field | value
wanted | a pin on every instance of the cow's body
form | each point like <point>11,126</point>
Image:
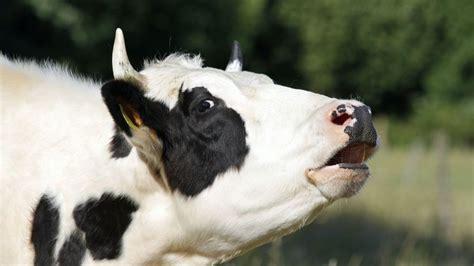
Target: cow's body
<point>51,156</point>
<point>121,205</point>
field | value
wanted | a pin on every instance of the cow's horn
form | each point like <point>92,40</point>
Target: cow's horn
<point>236,59</point>
<point>120,64</point>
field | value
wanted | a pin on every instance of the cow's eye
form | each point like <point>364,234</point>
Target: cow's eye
<point>205,105</point>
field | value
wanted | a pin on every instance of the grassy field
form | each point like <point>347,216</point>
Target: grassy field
<point>394,220</point>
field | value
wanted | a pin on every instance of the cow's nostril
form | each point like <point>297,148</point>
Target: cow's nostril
<point>341,119</point>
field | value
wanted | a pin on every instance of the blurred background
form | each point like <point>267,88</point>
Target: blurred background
<point>412,61</point>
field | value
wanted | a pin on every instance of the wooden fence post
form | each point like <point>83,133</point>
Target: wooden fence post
<point>412,163</point>
<point>440,144</point>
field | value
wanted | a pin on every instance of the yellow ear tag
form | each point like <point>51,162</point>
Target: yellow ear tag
<point>127,119</point>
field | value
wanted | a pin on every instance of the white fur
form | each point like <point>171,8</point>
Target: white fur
<point>54,138</point>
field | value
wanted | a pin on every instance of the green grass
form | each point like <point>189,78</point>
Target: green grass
<point>394,218</point>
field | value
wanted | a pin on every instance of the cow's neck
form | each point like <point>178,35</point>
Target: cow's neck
<point>161,225</point>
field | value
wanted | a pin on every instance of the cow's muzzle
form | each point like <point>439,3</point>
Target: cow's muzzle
<point>355,121</point>
<point>345,172</point>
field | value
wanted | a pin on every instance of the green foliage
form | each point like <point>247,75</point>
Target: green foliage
<point>452,78</point>
<point>85,29</point>
<point>455,65</point>
<point>378,50</point>
<point>403,57</point>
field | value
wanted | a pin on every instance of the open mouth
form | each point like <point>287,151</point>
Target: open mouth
<point>352,156</point>
<point>344,173</point>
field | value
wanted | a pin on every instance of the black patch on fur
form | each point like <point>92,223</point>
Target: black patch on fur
<point>119,147</point>
<point>198,143</point>
<point>44,231</point>
<point>202,145</point>
<point>103,222</point>
<point>73,250</point>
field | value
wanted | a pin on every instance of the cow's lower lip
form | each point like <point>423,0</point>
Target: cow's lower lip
<point>338,181</point>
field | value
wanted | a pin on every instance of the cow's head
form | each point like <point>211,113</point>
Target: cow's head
<point>243,159</point>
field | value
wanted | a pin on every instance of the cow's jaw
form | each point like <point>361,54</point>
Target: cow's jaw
<point>244,217</point>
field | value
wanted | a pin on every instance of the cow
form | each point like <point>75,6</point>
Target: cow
<point>176,164</point>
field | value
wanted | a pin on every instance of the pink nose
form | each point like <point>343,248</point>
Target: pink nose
<point>357,123</point>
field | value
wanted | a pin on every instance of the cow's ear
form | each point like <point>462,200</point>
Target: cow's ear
<point>131,110</point>
<point>143,120</point>
<point>123,99</point>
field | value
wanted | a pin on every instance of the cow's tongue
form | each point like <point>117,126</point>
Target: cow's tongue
<point>353,154</point>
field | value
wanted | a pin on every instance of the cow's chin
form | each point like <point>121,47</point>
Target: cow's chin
<point>344,174</point>
<point>337,182</point>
